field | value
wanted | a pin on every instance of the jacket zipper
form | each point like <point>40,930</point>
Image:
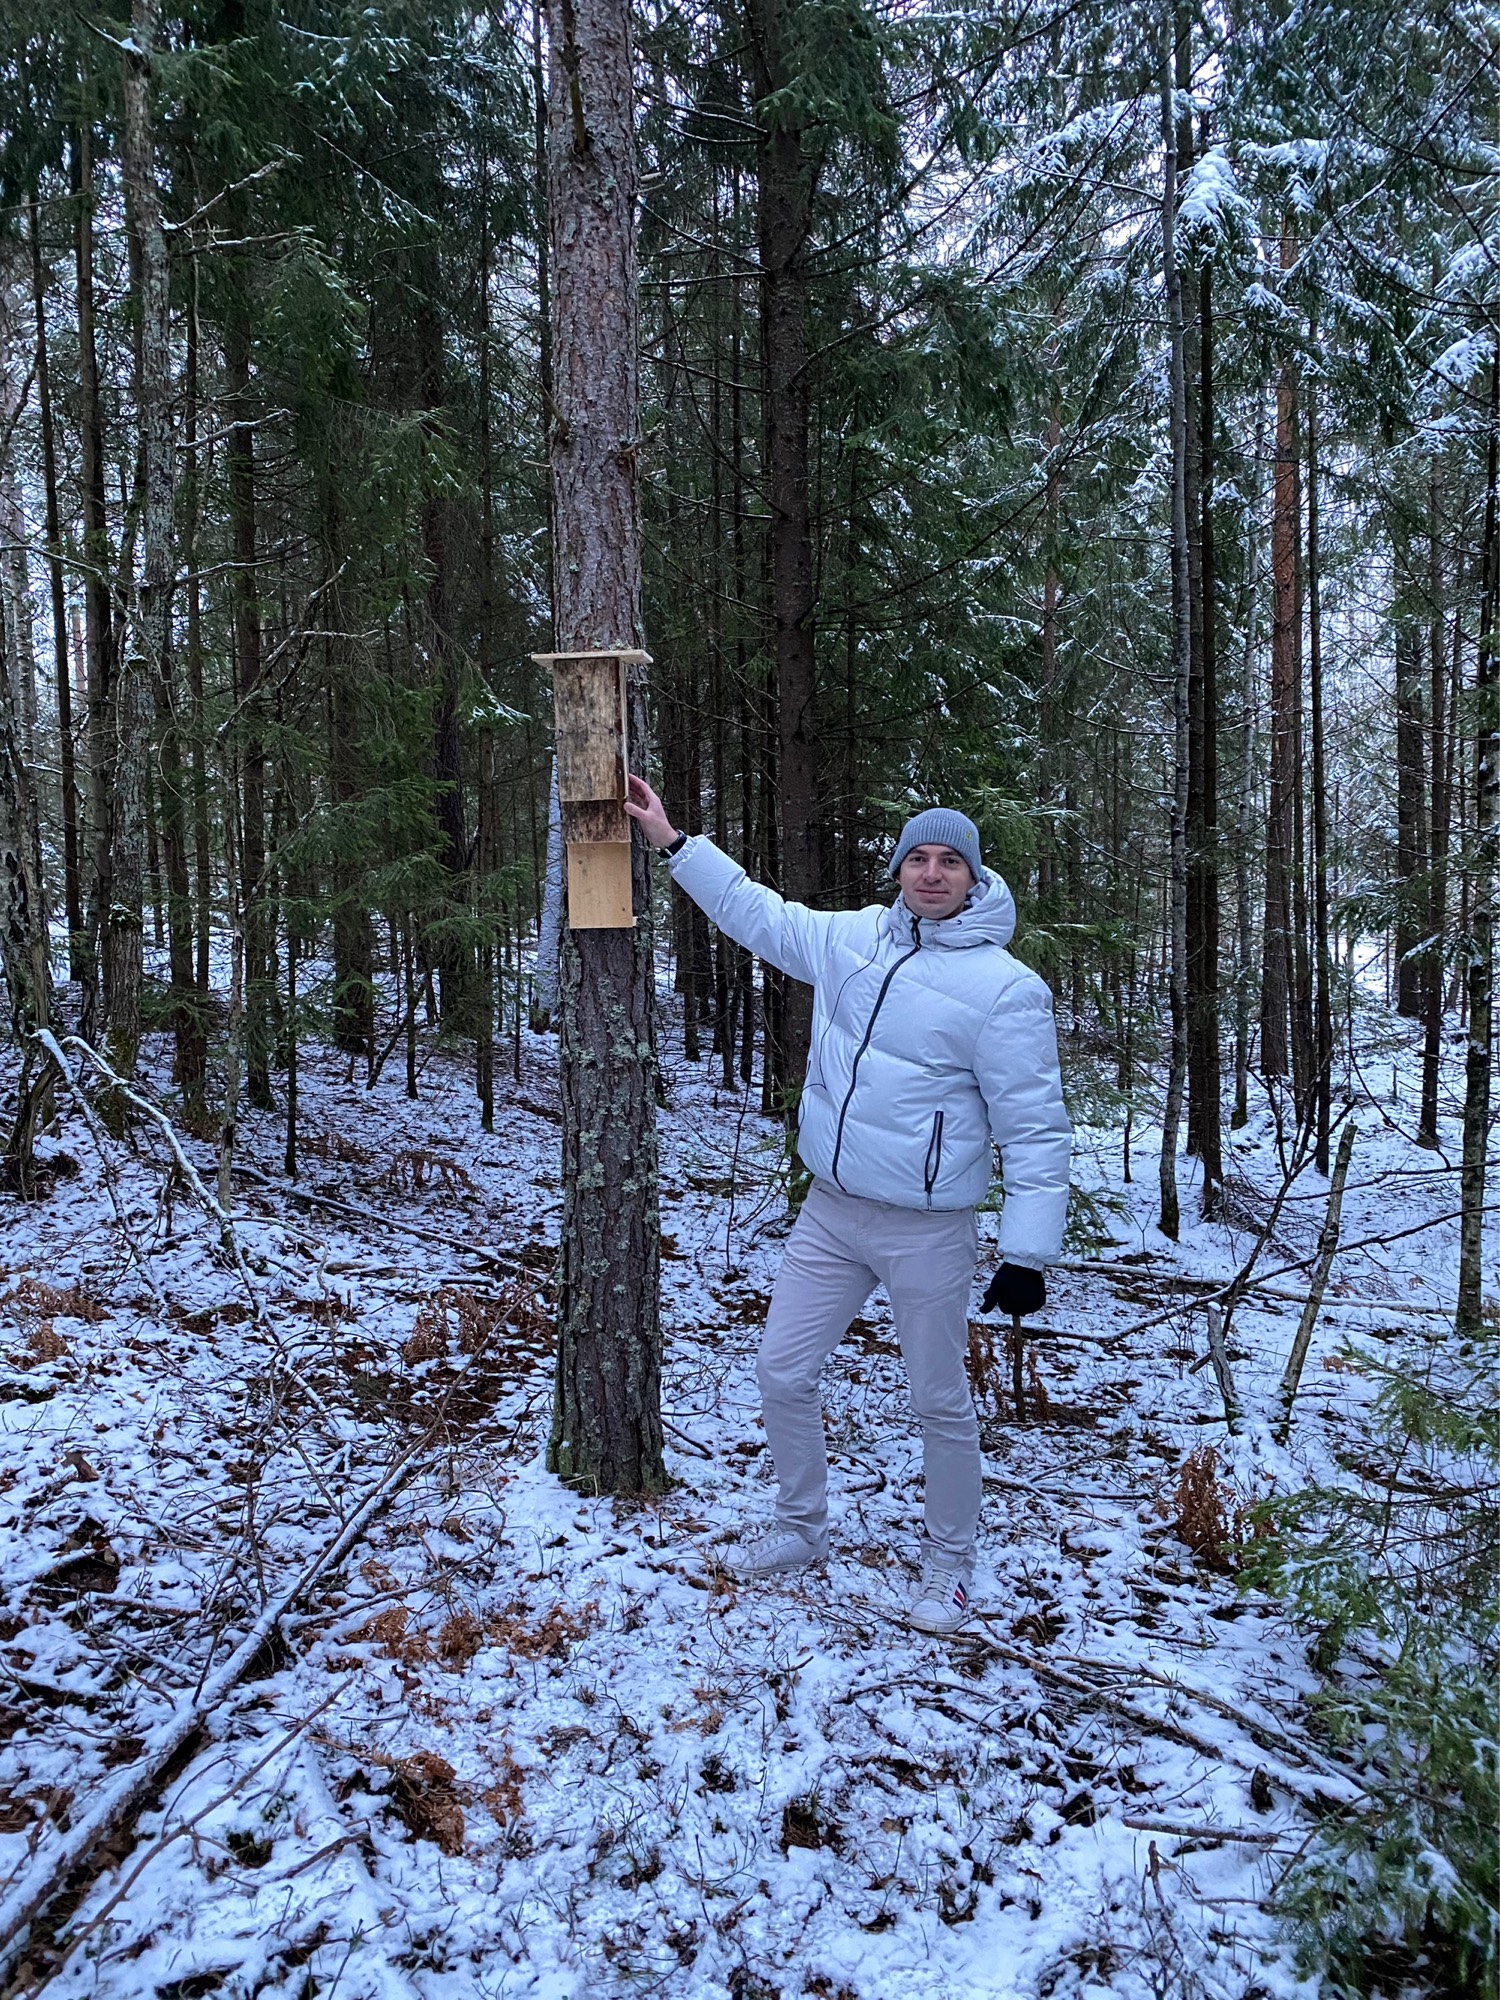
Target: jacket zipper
<point>934,1162</point>
<point>885,987</point>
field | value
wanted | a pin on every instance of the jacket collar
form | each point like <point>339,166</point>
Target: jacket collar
<point>989,917</point>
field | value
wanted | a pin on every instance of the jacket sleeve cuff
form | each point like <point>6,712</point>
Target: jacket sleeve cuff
<point>688,847</point>
<point>1027,1260</point>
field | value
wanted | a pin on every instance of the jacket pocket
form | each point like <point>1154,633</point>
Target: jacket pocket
<point>932,1166</point>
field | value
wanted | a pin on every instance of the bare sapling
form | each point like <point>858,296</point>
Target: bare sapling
<point>1328,1243</point>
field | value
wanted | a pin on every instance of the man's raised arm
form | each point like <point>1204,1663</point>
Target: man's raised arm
<point>787,935</point>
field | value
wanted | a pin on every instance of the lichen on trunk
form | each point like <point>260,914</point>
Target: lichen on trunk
<point>606,1428</point>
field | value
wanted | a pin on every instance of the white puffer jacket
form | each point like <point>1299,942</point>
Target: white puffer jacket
<point>929,1041</point>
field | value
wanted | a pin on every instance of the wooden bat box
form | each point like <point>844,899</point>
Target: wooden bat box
<point>592,736</point>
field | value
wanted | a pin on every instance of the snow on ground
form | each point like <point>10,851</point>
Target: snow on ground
<point>527,1743</point>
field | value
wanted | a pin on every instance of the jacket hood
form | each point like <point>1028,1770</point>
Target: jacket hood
<point>989,917</point>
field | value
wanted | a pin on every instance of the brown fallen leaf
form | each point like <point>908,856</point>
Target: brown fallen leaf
<point>426,1803</point>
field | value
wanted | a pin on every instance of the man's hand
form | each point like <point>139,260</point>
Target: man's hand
<point>643,805</point>
<point>1015,1289</point>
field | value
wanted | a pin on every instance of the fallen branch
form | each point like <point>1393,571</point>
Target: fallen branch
<point>66,1946</point>
<point>106,1167</point>
<point>128,1793</point>
<point>228,1240</point>
<point>1179,1732</point>
<point>1254,1836</point>
<point>486,1255</point>
<point>1269,1736</point>
<point>163,1123</point>
<point>1239,1290</point>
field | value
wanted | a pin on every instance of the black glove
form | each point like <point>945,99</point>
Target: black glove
<point>1015,1289</point>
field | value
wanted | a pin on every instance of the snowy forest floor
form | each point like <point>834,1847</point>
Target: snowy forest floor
<point>524,1743</point>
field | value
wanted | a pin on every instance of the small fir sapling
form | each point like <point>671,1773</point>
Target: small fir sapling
<point>1395,1575</point>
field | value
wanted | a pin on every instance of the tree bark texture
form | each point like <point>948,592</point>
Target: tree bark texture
<point>785,175</point>
<point>192,503</point>
<point>97,566</point>
<point>1245,787</point>
<point>1322,968</point>
<point>67,772</point>
<point>353,945</point>
<point>259,995</point>
<point>1205,1137</point>
<point>1411,856</point>
<point>451,954</point>
<point>23,917</point>
<point>606,1419</point>
<point>145,664</point>
<point>1286,674</point>
<point>1481,981</point>
<point>1438,793</point>
<point>1182,654</point>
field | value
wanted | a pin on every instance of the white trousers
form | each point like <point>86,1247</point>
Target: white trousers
<point>841,1247</point>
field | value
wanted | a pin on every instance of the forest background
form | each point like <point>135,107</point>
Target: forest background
<point>1083,415</point>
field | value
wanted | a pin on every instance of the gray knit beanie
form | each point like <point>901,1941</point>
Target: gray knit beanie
<point>939,826</point>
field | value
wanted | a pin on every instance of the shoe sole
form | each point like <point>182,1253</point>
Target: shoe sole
<point>748,1575</point>
<point>935,1628</point>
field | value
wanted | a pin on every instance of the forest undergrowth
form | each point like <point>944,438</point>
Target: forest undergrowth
<point>1223,1725</point>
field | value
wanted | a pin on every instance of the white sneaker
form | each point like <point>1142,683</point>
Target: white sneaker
<point>942,1600</point>
<point>773,1553</point>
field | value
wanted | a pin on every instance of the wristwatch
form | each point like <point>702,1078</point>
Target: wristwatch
<point>673,847</point>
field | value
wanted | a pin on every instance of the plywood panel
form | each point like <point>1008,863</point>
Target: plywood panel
<point>599,897</point>
<point>595,819</point>
<point>589,707</point>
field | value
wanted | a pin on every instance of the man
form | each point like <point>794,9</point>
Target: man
<point>930,1045</point>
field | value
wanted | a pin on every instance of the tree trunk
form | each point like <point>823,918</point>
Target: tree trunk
<point>1411,858</point>
<point>1481,910</point>
<point>1303,1067</point>
<point>68,776</point>
<point>1205,1118</point>
<point>23,926</point>
<point>439,526</point>
<point>487,835</point>
<point>606,1420</point>
<point>191,1058</point>
<point>145,666</point>
<point>23,915</point>
<point>97,567</point>
<point>192,503</point>
<point>1286,674</point>
<point>549,931</point>
<point>17,362</point>
<point>353,997</point>
<point>784,173</point>
<point>1322,970</point>
<point>1245,802</point>
<point>259,997</point>
<point>1182,650</point>
<point>1437,909</point>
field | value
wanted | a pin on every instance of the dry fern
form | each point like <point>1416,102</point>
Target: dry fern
<point>32,1295</point>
